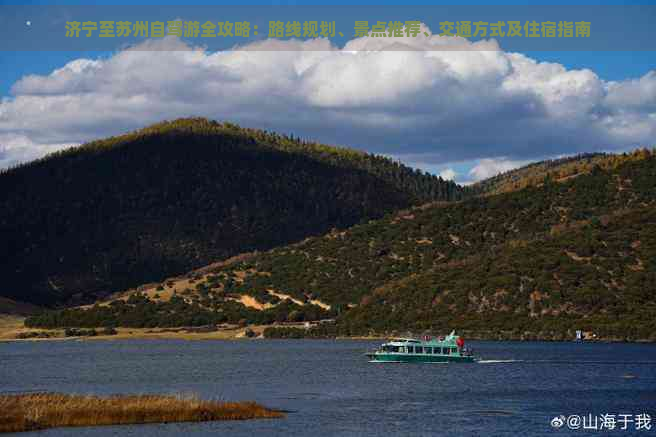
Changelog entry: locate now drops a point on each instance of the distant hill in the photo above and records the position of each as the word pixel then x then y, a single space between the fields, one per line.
pixel 540 261
pixel 558 170
pixel 136 208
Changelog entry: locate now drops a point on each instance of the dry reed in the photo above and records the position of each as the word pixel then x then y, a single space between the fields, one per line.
pixel 26 412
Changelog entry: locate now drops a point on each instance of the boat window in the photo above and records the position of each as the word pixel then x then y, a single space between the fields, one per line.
pixel 429 350
pixel 445 350
pixel 453 350
pixel 402 349
pixel 419 350
pixel 410 349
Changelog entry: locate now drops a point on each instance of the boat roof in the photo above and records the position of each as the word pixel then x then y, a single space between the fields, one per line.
pixel 405 340
pixel 449 339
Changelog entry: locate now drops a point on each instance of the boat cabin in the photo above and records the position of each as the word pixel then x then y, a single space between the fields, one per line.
pixel 450 348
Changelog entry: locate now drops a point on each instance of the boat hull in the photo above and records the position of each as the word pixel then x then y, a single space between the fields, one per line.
pixel 416 358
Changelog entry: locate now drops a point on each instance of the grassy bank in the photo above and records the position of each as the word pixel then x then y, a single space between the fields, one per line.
pixel 321 332
pixel 26 412
pixel 14 330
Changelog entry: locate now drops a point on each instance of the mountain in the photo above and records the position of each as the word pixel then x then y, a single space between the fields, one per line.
pixel 598 277
pixel 564 254
pixel 114 213
pixel 558 170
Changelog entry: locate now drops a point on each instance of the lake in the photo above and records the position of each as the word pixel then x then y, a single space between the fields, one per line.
pixel 329 387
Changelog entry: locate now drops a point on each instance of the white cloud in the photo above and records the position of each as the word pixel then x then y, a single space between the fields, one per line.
pixel 442 98
pixel 633 94
pixel 448 174
pixel 491 167
pixel 15 148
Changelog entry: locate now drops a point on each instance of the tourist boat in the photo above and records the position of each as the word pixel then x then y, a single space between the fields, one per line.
pixel 426 350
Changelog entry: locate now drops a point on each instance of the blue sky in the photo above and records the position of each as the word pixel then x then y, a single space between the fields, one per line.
pixel 520 121
pixel 610 65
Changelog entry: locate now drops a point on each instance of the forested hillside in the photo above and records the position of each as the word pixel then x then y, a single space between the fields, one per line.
pixel 598 277
pixel 137 208
pixel 552 257
pixel 558 170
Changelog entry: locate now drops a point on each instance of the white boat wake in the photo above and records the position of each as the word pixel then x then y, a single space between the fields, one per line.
pixel 498 361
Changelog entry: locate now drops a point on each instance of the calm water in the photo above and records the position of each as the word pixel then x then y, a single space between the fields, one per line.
pixel 331 389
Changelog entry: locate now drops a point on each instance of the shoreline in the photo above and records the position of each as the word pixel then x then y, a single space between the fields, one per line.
pixel 11 327
pixel 238 336
pixel 229 337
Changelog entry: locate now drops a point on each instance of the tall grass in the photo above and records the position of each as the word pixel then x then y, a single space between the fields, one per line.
pixel 25 412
